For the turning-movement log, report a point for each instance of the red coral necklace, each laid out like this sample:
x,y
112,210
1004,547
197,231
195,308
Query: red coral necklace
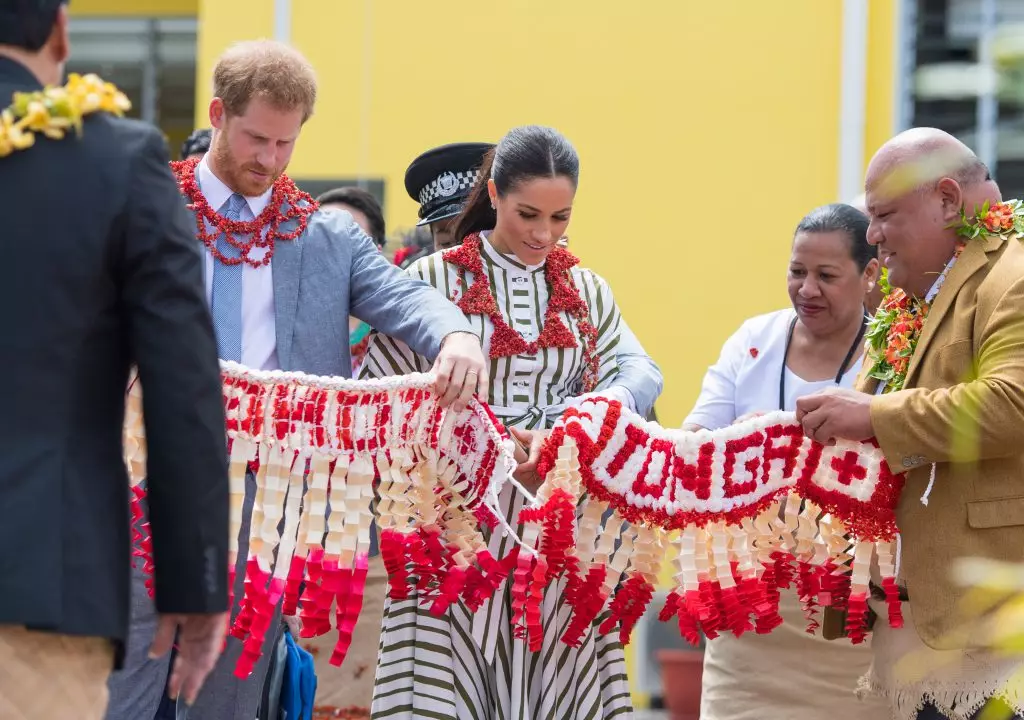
x,y
287,203
563,297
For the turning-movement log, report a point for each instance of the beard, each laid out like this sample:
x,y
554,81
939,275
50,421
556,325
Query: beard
x,y
238,175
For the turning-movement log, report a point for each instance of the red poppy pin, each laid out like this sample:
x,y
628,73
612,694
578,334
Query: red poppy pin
x,y
753,352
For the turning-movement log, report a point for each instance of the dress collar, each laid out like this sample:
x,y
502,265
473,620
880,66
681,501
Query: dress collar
x,y
508,262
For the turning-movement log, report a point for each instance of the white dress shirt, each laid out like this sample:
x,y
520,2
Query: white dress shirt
x,y
259,331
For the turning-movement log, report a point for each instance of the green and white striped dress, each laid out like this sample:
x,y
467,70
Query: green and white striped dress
x,y
465,665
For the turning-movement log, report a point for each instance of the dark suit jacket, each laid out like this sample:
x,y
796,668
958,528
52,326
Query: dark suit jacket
x,y
100,270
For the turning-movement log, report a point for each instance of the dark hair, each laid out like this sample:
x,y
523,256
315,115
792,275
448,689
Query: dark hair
x,y
974,171
198,143
27,24
363,201
525,153
839,217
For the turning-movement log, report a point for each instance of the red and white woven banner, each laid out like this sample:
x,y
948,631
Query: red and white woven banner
x,y
319,448
748,510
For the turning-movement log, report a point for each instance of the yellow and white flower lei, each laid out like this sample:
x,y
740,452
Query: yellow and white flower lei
x,y
56,110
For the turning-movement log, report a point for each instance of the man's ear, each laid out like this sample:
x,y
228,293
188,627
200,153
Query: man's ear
x,y
217,113
952,196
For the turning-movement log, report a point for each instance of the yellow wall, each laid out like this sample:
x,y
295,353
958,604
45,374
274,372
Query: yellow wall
x,y
881,75
134,7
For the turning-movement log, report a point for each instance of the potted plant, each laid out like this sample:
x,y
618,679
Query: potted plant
x,y
682,672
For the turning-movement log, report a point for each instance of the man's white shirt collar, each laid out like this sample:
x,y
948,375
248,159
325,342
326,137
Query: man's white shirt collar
x,y
937,285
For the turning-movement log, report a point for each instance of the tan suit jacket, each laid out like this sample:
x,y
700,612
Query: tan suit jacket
x,y
962,408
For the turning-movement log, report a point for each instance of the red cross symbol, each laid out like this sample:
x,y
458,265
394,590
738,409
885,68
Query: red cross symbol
x,y
849,468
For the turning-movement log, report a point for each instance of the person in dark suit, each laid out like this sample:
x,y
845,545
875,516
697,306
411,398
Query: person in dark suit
x,y
101,272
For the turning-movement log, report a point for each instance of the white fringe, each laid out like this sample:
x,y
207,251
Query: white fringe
x,y
957,702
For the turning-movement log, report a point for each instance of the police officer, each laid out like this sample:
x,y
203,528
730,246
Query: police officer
x,y
440,180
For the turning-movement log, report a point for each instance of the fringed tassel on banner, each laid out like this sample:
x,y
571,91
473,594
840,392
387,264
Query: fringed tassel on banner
x,y
317,446
749,503
749,509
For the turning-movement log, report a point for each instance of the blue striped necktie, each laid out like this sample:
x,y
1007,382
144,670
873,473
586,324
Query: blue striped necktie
x,y
227,289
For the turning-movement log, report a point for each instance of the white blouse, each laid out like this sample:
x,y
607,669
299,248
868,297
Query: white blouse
x,y
746,377
787,674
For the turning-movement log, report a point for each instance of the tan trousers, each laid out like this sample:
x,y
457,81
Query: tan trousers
x,y
44,676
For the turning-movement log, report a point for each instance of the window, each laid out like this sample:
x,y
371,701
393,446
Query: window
x,y
968,78
152,60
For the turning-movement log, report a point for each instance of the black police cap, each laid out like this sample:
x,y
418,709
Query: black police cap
x,y
441,179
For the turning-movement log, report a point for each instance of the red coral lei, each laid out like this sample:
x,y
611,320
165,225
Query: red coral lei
x,y
287,203
563,296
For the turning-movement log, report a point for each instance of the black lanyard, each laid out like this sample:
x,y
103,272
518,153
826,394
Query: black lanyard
x,y
842,368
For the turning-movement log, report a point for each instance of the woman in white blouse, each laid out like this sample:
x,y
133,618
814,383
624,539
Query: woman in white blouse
x,y
766,365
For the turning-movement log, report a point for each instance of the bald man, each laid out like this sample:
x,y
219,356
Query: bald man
x,y
956,428
975,196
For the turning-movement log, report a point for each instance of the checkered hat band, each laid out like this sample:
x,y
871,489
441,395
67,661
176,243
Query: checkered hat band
x,y
449,184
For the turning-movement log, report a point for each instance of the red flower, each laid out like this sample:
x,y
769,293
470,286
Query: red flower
x,y
998,218
287,203
754,352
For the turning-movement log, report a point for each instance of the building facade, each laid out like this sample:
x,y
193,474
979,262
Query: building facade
x,y
706,130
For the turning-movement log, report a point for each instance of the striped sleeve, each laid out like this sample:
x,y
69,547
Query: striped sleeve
x,y
389,356
605,316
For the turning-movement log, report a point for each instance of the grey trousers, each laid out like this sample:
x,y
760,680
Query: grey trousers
x,y
223,697
136,689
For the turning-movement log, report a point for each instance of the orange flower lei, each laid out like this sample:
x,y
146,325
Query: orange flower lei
x,y
894,331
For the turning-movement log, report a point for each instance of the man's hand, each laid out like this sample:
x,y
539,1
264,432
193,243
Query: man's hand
x,y
531,442
461,371
294,625
200,642
835,414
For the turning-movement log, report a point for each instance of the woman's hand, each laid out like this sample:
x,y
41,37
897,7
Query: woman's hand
x,y
528,446
294,625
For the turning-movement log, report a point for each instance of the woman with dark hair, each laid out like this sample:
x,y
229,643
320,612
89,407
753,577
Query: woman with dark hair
x,y
362,206
551,330
766,365
197,144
